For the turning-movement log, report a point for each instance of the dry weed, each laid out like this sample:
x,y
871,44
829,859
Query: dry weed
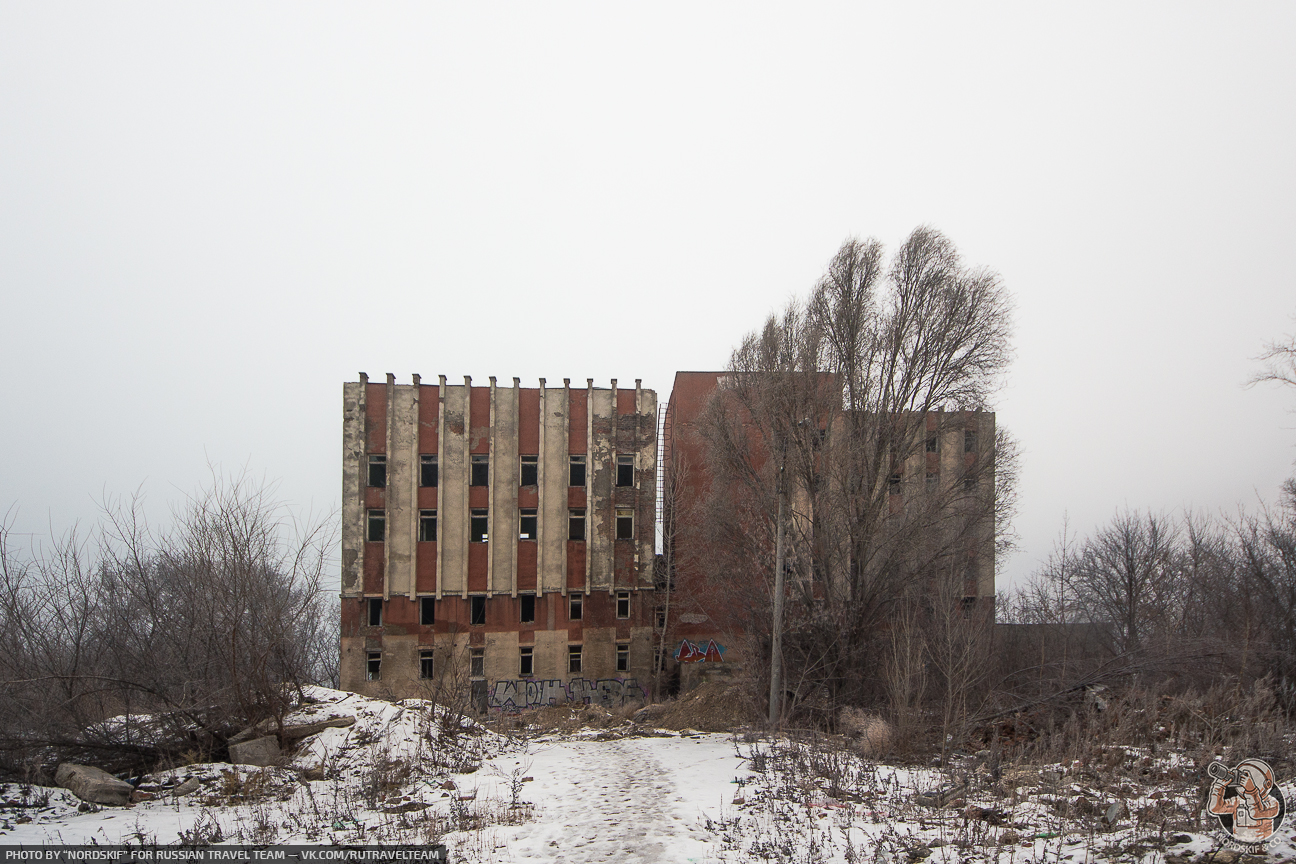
x,y
872,736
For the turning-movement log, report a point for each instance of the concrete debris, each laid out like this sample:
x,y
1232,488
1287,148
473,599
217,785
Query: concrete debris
x,y
93,785
190,785
259,751
941,798
292,731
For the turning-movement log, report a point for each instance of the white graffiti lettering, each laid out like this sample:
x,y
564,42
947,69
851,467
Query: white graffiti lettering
x,y
514,695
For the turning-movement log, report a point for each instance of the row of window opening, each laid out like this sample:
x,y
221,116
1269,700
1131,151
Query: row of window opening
x,y
933,481
477,609
479,525
969,442
477,662
479,470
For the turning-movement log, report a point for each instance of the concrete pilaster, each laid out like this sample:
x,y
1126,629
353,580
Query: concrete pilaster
x,y
441,402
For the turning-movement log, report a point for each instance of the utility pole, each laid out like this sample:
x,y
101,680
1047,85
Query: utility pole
x,y
776,652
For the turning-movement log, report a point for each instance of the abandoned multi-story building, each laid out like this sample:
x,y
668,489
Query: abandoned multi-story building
x,y
498,541
705,625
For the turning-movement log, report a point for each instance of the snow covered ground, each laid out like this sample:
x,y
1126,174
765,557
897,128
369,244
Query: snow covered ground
x,y
409,772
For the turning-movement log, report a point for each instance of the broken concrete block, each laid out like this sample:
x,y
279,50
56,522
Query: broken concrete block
x,y
258,751
305,730
292,731
93,785
186,787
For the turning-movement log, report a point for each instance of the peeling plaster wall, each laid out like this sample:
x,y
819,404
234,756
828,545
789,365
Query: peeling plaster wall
x,y
453,515
646,485
600,471
504,489
402,489
353,509
553,471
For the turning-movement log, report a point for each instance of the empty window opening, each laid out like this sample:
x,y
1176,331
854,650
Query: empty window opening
x,y
428,470
527,609
969,482
480,471
477,662
625,471
661,617
931,443
377,526
377,470
477,609
894,483
623,604
623,658
624,523
426,666
574,607
576,524
526,661
427,526
479,526
573,658
375,612
969,441
373,665
527,524
427,611
530,471
577,473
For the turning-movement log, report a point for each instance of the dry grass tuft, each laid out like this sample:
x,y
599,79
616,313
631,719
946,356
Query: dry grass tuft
x,y
871,735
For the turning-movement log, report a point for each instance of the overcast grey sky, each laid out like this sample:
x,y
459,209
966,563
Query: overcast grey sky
x,y
211,215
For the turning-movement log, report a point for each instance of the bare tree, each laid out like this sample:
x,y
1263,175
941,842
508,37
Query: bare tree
x,y
837,399
958,642
1128,577
182,637
905,668
1279,358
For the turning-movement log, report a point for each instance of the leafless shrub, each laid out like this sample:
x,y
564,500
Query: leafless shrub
x,y
385,777
906,677
144,647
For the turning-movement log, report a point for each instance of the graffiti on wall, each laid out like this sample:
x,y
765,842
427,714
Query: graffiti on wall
x,y
514,695
692,652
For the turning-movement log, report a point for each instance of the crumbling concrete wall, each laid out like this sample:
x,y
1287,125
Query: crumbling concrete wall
x,y
553,476
646,485
353,505
600,473
453,514
503,490
402,488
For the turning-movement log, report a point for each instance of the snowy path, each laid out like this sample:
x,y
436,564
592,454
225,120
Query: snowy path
x,y
633,800
630,799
